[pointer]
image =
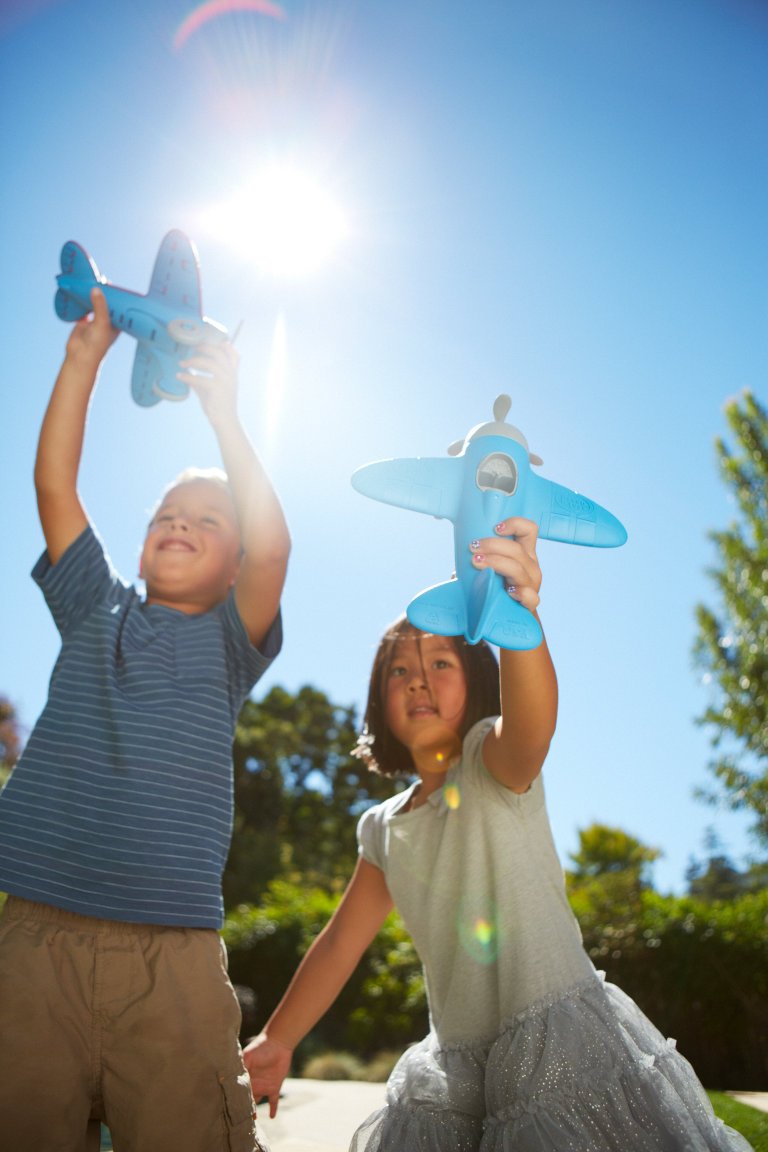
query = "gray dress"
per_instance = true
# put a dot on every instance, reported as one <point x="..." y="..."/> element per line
<point x="529" y="1049"/>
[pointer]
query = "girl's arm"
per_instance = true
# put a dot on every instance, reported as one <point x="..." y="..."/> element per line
<point x="517" y="745"/>
<point x="322" y="974"/>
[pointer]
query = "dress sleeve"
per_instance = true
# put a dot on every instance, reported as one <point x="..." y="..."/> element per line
<point x="370" y="836"/>
<point x="476" y="775"/>
<point x="82" y="578"/>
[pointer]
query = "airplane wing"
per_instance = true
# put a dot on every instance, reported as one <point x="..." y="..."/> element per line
<point x="569" y="517"/>
<point x="176" y="274"/>
<point x="504" y="622"/>
<point x="419" y="484"/>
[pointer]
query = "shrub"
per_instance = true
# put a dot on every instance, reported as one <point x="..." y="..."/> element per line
<point x="333" y="1066"/>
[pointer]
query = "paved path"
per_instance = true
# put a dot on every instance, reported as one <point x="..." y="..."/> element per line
<point x="755" y="1099"/>
<point x="319" y="1115"/>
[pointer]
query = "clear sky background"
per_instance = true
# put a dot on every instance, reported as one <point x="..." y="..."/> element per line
<point x="566" y="201"/>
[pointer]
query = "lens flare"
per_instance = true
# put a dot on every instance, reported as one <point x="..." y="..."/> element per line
<point x="479" y="933"/>
<point x="436" y="751"/>
<point x="206" y="12"/>
<point x="452" y="796"/>
<point x="484" y="932"/>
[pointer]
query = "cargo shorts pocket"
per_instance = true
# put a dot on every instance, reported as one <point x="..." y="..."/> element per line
<point x="241" y="1131"/>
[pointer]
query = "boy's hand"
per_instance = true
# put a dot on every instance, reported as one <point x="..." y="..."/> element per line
<point x="93" y="335"/>
<point x="268" y="1062"/>
<point x="512" y="553"/>
<point x="211" y="372"/>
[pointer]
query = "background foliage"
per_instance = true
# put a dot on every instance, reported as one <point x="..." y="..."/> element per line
<point x="732" y="641"/>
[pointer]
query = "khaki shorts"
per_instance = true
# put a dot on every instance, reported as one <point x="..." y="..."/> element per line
<point x="132" y="1024"/>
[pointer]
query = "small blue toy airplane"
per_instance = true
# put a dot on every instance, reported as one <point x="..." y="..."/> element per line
<point x="488" y="480"/>
<point x="165" y="322"/>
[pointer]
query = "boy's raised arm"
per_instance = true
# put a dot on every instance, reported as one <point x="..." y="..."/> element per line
<point x="263" y="530"/>
<point x="62" y="516"/>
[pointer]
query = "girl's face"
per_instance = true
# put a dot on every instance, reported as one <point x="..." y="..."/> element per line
<point x="425" y="694"/>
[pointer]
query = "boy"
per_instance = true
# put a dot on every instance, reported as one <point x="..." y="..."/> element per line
<point x="114" y="828"/>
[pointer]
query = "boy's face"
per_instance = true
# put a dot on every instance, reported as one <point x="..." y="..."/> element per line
<point x="191" y="554"/>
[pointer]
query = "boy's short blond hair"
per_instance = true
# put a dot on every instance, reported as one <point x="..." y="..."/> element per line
<point x="213" y="475"/>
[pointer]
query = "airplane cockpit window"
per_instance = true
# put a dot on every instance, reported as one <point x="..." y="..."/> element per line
<point x="497" y="473"/>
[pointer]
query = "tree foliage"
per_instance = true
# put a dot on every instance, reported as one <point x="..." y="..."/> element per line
<point x="298" y="791"/>
<point x="732" y="641"/>
<point x="717" y="878"/>
<point x="698" y="967"/>
<point x="10" y="738"/>
<point x="611" y="871"/>
<point x="383" y="1005"/>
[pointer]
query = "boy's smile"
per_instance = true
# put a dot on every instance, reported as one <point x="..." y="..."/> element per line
<point x="191" y="553"/>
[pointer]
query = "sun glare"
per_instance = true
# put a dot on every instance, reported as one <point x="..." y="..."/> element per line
<point x="282" y="220"/>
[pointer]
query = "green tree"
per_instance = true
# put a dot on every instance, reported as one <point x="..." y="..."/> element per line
<point x="298" y="792"/>
<point x="606" y="887"/>
<point x="716" y="877"/>
<point x="697" y="967"/>
<point x="610" y="851"/>
<point x="382" y="1005"/>
<point x="10" y="738"/>
<point x="732" y="641"/>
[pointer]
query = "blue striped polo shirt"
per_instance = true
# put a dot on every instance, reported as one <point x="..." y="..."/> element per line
<point x="121" y="805"/>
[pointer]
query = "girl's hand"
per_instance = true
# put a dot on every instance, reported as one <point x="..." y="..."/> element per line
<point x="512" y="553"/>
<point x="211" y="372"/>
<point x="268" y="1062"/>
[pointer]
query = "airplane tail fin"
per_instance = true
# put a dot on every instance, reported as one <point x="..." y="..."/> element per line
<point x="487" y="614"/>
<point x="440" y="609"/>
<point x="78" y="275"/>
<point x="68" y="307"/>
<point x="151" y="382"/>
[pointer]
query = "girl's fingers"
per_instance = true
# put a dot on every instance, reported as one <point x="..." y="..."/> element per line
<point x="512" y="554"/>
<point x="526" y="532"/>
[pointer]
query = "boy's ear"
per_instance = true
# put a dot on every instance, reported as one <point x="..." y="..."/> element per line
<point x="236" y="572"/>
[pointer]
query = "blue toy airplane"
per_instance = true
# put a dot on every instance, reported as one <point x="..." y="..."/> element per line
<point x="165" y="322"/>
<point x="488" y="479"/>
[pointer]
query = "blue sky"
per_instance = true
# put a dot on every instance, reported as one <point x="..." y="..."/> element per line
<point x="562" y="201"/>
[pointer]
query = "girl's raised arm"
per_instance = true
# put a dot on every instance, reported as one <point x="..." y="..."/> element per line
<point x="517" y="745"/>
<point x="322" y="974"/>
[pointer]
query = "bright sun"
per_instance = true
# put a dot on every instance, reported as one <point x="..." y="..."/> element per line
<point x="281" y="220"/>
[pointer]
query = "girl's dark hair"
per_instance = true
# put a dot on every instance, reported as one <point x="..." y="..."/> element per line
<point x="381" y="751"/>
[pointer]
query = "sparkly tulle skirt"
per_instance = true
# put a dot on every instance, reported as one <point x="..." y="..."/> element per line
<point x="585" y="1071"/>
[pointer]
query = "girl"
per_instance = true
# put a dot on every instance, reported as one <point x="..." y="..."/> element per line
<point x="528" y="1049"/>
